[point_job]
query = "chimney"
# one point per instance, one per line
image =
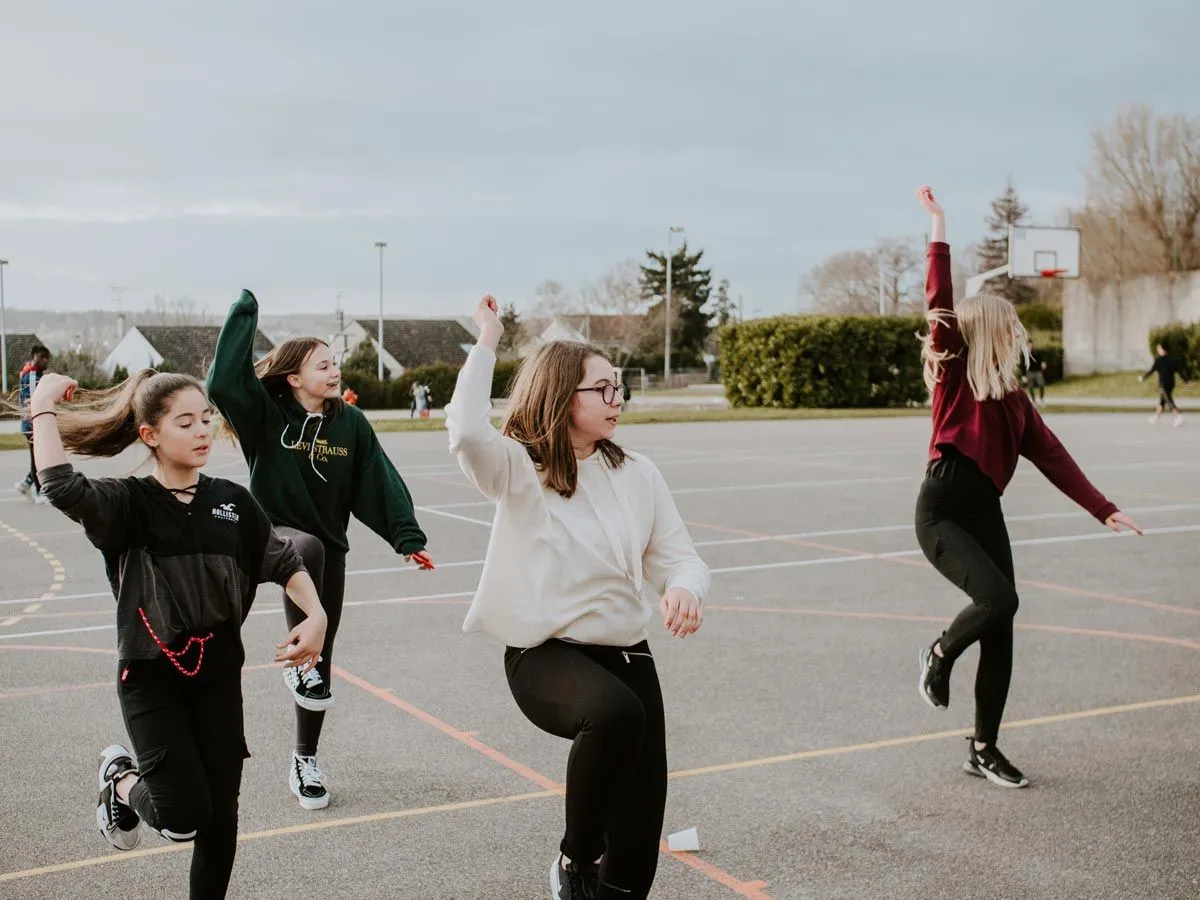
(120, 325)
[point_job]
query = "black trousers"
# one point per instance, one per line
(189, 740)
(1166, 398)
(32, 477)
(608, 702)
(961, 529)
(328, 571)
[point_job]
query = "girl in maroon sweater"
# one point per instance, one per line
(982, 422)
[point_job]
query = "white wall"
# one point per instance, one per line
(1106, 328)
(133, 352)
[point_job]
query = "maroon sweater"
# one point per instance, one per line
(995, 432)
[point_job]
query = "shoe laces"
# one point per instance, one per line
(311, 679)
(309, 772)
(582, 885)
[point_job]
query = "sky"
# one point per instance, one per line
(196, 149)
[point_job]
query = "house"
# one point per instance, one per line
(17, 349)
(178, 348)
(407, 343)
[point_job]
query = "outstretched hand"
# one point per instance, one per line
(422, 559)
(1118, 521)
(925, 198)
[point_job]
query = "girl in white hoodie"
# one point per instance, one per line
(584, 530)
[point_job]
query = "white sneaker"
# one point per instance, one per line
(1178, 421)
(40, 499)
(23, 488)
(307, 782)
(1154, 420)
(116, 820)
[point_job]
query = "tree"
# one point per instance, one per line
(690, 288)
(81, 365)
(617, 296)
(725, 309)
(180, 311)
(551, 299)
(847, 284)
(993, 252)
(1143, 196)
(364, 361)
(899, 264)
(510, 341)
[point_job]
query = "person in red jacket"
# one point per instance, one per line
(982, 423)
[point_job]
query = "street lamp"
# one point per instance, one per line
(380, 245)
(671, 232)
(3, 333)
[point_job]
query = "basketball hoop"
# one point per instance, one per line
(1052, 273)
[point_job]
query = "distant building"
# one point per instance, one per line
(182, 348)
(407, 343)
(17, 349)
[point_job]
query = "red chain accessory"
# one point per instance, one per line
(171, 655)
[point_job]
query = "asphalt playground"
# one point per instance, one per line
(798, 745)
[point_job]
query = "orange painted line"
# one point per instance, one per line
(905, 617)
(385, 694)
(461, 736)
(750, 889)
(1114, 598)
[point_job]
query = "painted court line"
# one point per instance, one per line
(745, 889)
(935, 736)
(450, 515)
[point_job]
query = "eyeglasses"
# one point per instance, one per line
(608, 393)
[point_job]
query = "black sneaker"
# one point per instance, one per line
(571, 881)
(307, 782)
(115, 820)
(308, 690)
(934, 682)
(991, 764)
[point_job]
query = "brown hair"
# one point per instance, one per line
(103, 423)
(287, 359)
(539, 412)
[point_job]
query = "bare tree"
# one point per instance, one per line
(617, 297)
(1145, 181)
(551, 299)
(846, 283)
(899, 262)
(180, 311)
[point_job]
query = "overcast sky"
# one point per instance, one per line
(268, 144)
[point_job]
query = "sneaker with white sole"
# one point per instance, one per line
(308, 782)
(23, 487)
(991, 764)
(116, 820)
(308, 690)
(40, 499)
(570, 881)
(934, 677)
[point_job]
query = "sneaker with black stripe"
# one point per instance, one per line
(116, 820)
(307, 782)
(934, 678)
(308, 690)
(991, 764)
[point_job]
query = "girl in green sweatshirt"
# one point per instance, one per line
(313, 461)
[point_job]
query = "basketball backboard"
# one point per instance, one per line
(1043, 252)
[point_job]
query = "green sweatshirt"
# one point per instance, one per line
(308, 471)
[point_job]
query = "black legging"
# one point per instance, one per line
(961, 529)
(187, 734)
(32, 477)
(608, 701)
(328, 571)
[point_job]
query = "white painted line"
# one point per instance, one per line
(412, 568)
(32, 608)
(11, 620)
(819, 561)
(29, 634)
(449, 515)
(58, 597)
(435, 506)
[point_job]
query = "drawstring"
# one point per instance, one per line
(312, 450)
(171, 655)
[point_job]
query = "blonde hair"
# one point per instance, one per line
(539, 412)
(995, 343)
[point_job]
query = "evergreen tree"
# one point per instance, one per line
(993, 251)
(724, 311)
(510, 341)
(364, 361)
(691, 286)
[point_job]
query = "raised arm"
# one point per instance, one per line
(495, 464)
(232, 385)
(939, 286)
(101, 506)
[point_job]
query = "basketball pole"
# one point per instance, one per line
(975, 282)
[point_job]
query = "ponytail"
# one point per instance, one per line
(104, 423)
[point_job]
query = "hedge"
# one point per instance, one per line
(1052, 356)
(1040, 317)
(395, 394)
(823, 361)
(1181, 339)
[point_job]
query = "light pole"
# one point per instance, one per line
(3, 332)
(671, 232)
(380, 245)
